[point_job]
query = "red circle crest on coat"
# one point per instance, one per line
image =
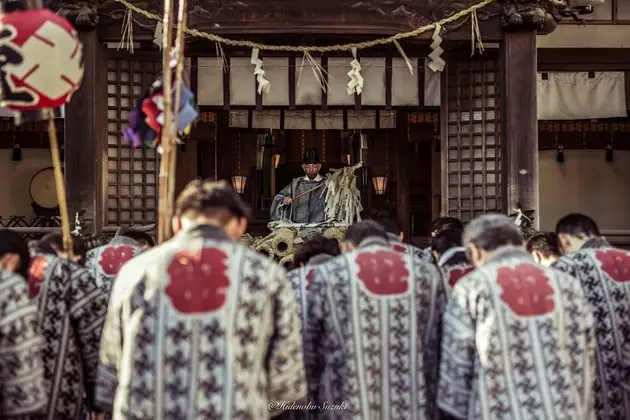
(198, 280)
(309, 278)
(456, 274)
(615, 263)
(113, 257)
(383, 273)
(527, 290)
(36, 275)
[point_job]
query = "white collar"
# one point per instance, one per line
(448, 254)
(318, 178)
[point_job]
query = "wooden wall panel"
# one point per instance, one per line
(132, 174)
(471, 145)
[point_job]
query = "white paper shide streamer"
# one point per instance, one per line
(437, 63)
(157, 36)
(343, 199)
(263, 84)
(355, 85)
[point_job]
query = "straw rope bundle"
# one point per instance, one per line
(282, 243)
(343, 199)
(333, 233)
(286, 261)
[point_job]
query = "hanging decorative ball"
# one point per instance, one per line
(41, 58)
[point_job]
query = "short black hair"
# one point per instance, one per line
(545, 243)
(216, 199)
(358, 232)
(387, 219)
(444, 223)
(445, 240)
(577, 225)
(52, 242)
(316, 245)
(139, 237)
(12, 243)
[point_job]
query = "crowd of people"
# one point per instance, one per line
(480, 325)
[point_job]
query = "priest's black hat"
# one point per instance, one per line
(311, 156)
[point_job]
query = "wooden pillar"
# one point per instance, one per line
(402, 173)
(86, 135)
(519, 126)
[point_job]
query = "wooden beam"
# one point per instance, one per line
(520, 128)
(402, 172)
(85, 135)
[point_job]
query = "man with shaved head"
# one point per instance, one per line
(518, 338)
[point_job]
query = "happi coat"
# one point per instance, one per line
(309, 208)
(604, 273)
(22, 390)
(406, 248)
(200, 327)
(372, 334)
(72, 311)
(454, 265)
(105, 261)
(518, 344)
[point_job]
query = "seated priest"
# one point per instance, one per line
(303, 200)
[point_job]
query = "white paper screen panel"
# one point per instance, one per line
(209, 81)
(373, 72)
(431, 85)
(338, 82)
(404, 84)
(308, 90)
(277, 72)
(242, 82)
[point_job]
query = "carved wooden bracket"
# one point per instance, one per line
(83, 14)
(537, 15)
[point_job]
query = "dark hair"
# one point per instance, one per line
(577, 225)
(545, 243)
(491, 232)
(53, 242)
(445, 240)
(358, 232)
(12, 243)
(214, 199)
(444, 223)
(316, 245)
(139, 237)
(387, 219)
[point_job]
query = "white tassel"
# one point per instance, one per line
(157, 36)
(355, 85)
(437, 63)
(263, 84)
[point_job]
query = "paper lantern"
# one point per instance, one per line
(42, 65)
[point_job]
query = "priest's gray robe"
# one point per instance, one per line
(310, 208)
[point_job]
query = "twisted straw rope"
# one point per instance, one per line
(309, 49)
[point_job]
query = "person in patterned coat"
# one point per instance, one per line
(52, 244)
(518, 338)
(105, 261)
(372, 331)
(440, 224)
(22, 390)
(201, 326)
(451, 257)
(544, 248)
(604, 273)
(72, 312)
(396, 236)
(317, 250)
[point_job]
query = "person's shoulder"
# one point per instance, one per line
(9, 279)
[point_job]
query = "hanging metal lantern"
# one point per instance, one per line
(41, 57)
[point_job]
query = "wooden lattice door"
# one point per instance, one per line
(471, 138)
(132, 174)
